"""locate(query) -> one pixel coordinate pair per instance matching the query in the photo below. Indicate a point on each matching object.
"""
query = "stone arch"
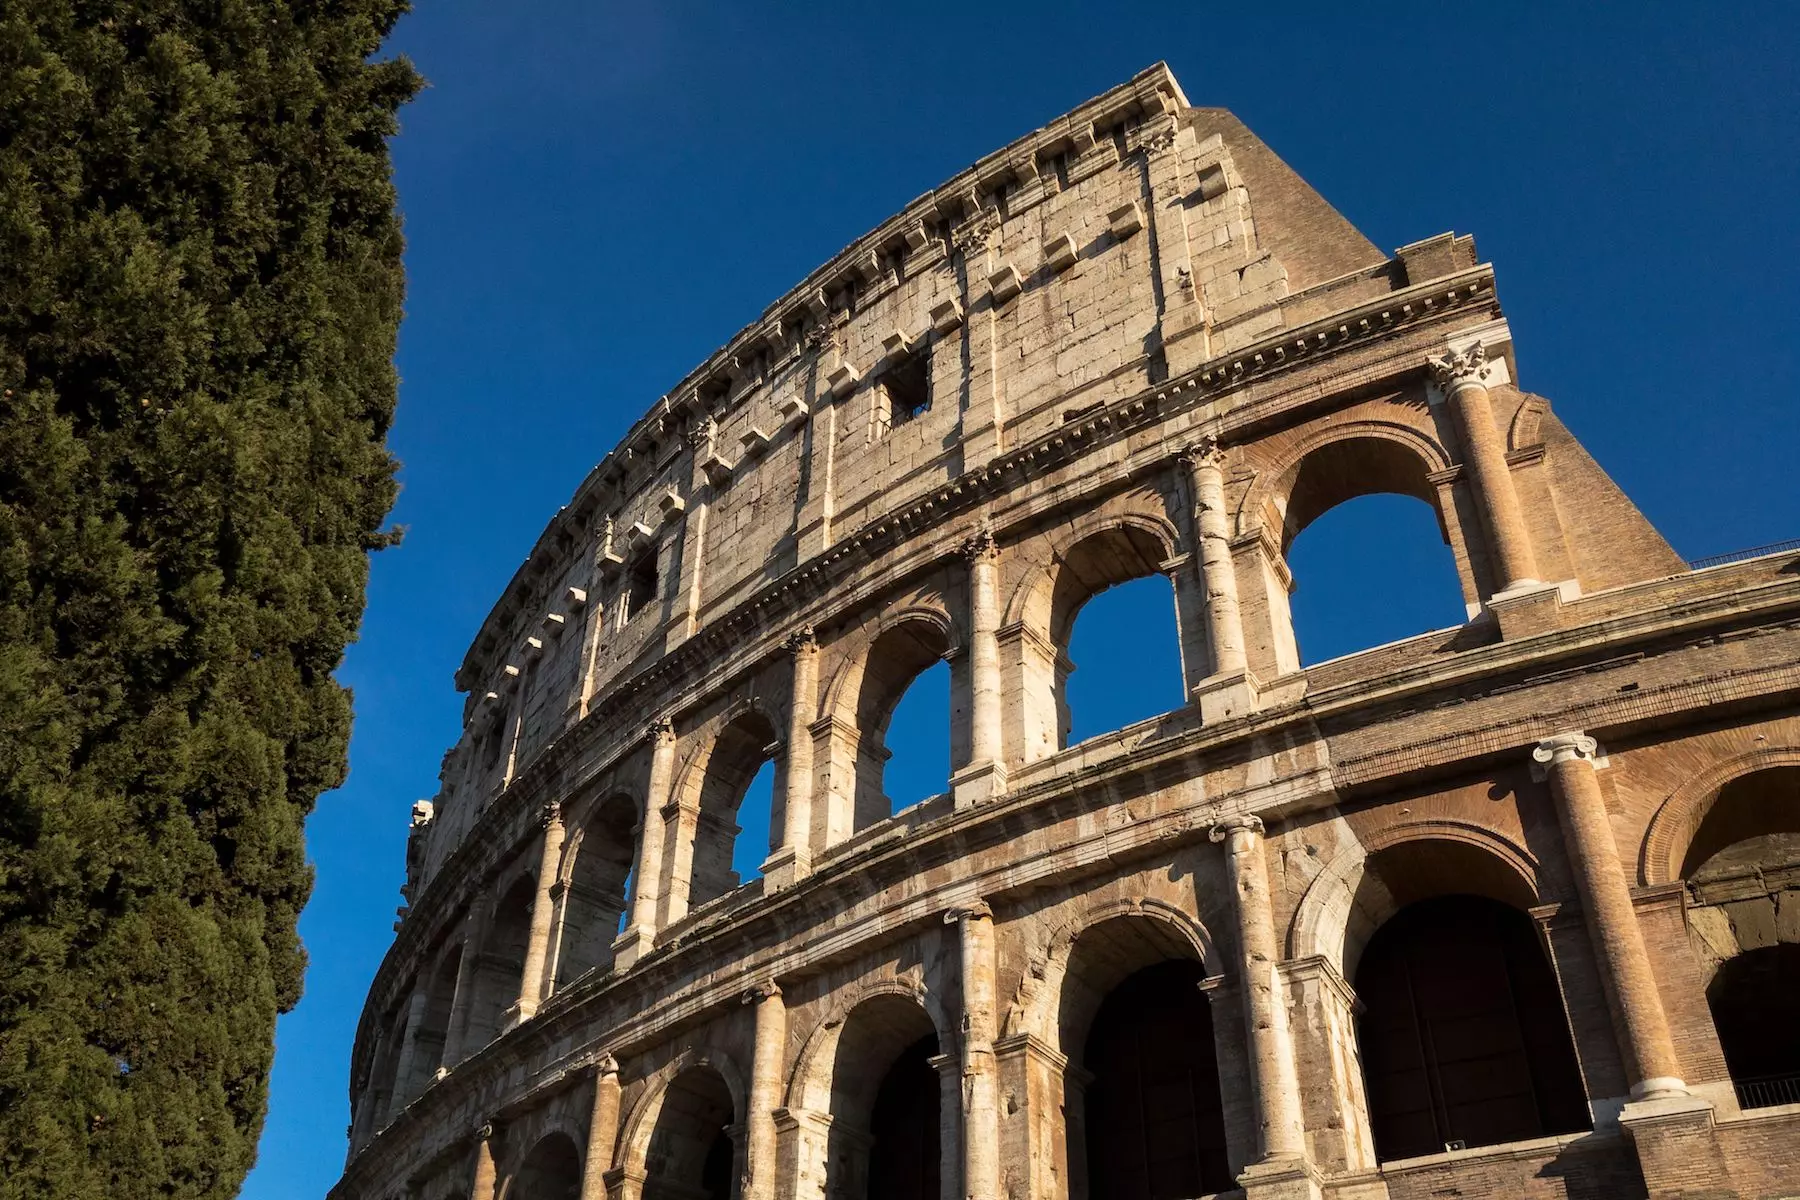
(884, 1033)
(689, 1089)
(1679, 816)
(1091, 554)
(1037, 1007)
(709, 788)
(1359, 458)
(809, 1084)
(883, 662)
(500, 965)
(591, 879)
(1346, 902)
(434, 1023)
(550, 1170)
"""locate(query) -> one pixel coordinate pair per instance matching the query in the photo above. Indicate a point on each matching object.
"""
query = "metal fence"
(1767, 1091)
(1719, 560)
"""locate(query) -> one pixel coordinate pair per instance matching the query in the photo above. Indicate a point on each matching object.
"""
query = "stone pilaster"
(793, 860)
(985, 776)
(640, 931)
(767, 1067)
(980, 1122)
(603, 1129)
(1031, 1078)
(1274, 1083)
(1463, 377)
(534, 987)
(1229, 689)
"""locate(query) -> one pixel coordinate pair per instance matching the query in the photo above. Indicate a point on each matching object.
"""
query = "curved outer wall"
(1132, 343)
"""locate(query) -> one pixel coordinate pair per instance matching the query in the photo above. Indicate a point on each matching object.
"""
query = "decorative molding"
(1459, 368)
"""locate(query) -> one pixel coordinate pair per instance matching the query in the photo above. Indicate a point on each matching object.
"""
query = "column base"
(1530, 607)
(1222, 697)
(517, 1014)
(784, 868)
(1676, 1148)
(632, 945)
(1280, 1179)
(978, 784)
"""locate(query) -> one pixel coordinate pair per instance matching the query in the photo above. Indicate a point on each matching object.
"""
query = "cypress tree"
(200, 288)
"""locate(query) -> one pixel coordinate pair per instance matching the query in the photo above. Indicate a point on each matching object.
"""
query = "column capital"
(1570, 746)
(756, 993)
(550, 814)
(1462, 368)
(1203, 452)
(974, 910)
(1248, 824)
(660, 732)
(980, 546)
(483, 1131)
(802, 641)
(605, 1065)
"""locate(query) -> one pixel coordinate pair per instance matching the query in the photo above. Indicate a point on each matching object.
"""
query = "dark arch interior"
(1463, 1034)
(738, 754)
(904, 1145)
(596, 898)
(1154, 1113)
(1755, 1002)
(899, 659)
(434, 1025)
(552, 1171)
(691, 1154)
(500, 968)
(1754, 823)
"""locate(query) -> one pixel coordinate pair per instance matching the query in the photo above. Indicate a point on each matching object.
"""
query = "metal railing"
(1767, 1091)
(1719, 560)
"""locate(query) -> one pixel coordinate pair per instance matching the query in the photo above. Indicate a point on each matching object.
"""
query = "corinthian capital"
(1204, 452)
(660, 731)
(1460, 367)
(981, 545)
(802, 641)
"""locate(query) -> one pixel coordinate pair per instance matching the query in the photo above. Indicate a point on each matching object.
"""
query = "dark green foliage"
(200, 286)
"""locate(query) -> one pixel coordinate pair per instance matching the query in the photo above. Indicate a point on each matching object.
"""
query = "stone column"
(793, 861)
(603, 1129)
(486, 1177)
(534, 988)
(1273, 1080)
(1463, 378)
(1567, 760)
(1205, 462)
(639, 937)
(767, 1063)
(980, 1120)
(409, 1049)
(985, 776)
(457, 1029)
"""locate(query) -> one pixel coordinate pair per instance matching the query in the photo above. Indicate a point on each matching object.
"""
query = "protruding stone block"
(793, 410)
(1060, 253)
(1005, 283)
(946, 315)
(843, 380)
(754, 441)
(671, 504)
(1125, 221)
(1213, 182)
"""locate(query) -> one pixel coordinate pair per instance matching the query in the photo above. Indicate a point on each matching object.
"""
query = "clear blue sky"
(598, 195)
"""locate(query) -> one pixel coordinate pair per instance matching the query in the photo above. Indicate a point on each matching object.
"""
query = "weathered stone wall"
(1148, 349)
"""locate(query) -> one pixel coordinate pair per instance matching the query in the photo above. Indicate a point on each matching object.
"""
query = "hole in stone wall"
(641, 593)
(1125, 658)
(1369, 571)
(906, 388)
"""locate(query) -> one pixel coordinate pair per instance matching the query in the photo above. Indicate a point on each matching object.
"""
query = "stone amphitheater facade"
(1502, 910)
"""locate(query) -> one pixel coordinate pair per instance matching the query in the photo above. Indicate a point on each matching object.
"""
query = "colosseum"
(1509, 909)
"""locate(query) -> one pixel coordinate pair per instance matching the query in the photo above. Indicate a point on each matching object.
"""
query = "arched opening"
(918, 766)
(596, 881)
(899, 662)
(1742, 871)
(739, 753)
(691, 1155)
(434, 1024)
(552, 1171)
(1155, 1115)
(499, 971)
(383, 1080)
(1373, 570)
(885, 1104)
(1131, 644)
(1125, 640)
(1463, 1035)
(1144, 1109)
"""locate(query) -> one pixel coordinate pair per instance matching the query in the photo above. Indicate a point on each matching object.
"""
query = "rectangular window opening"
(906, 386)
(641, 593)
